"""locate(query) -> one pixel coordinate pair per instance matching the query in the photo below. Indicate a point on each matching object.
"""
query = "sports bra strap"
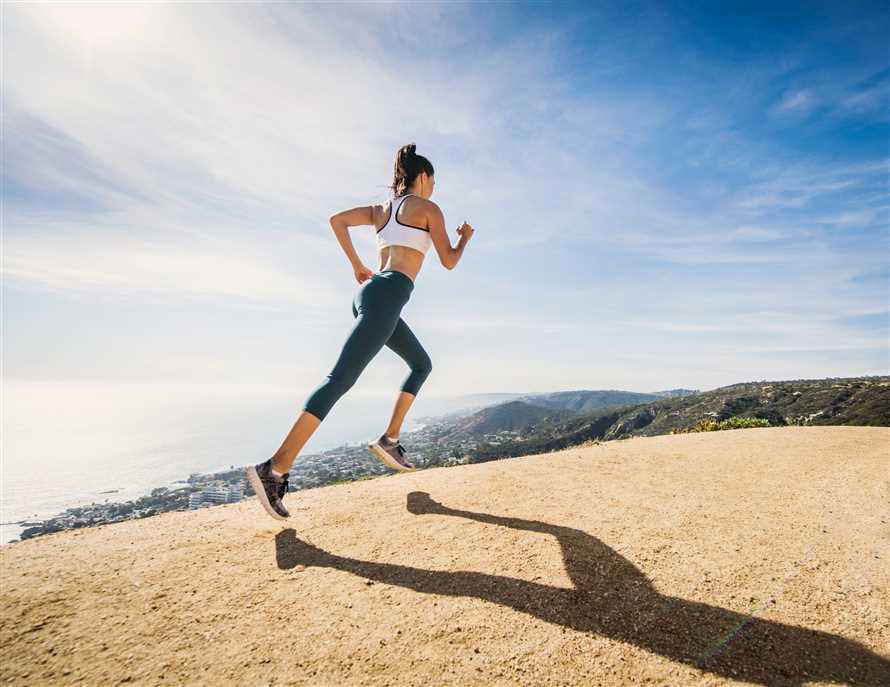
(401, 202)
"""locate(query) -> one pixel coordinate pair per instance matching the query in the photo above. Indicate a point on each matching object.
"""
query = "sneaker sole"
(257, 485)
(387, 459)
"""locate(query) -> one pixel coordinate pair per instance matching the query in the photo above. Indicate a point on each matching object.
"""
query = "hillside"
(753, 556)
(539, 409)
(511, 416)
(832, 401)
(536, 405)
(538, 413)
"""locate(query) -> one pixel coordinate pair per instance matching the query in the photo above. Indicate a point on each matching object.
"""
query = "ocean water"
(65, 443)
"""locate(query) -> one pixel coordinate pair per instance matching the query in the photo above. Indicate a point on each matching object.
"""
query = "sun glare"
(97, 26)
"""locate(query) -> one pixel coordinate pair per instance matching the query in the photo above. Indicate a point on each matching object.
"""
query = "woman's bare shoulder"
(418, 204)
(430, 207)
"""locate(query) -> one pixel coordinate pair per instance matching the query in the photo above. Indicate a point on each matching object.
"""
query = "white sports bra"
(395, 233)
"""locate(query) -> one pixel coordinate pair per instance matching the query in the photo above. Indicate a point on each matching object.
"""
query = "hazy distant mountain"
(585, 401)
(444, 409)
(513, 416)
(530, 411)
(581, 400)
(675, 392)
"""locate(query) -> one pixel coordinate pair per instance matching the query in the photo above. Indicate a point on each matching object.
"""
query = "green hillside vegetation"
(728, 423)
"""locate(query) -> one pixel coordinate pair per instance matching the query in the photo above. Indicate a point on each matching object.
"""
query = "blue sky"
(664, 195)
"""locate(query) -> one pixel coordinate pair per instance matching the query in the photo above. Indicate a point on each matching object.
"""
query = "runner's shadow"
(613, 598)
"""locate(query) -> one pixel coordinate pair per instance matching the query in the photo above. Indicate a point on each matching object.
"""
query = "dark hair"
(408, 166)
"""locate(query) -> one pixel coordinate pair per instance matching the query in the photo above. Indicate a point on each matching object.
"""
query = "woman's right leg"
(293, 443)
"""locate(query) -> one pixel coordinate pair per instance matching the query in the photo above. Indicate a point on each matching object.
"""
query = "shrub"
(728, 423)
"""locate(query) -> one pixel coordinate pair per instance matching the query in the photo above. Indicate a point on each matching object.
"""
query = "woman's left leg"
(405, 344)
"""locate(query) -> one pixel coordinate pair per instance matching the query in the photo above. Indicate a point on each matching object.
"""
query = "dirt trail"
(755, 556)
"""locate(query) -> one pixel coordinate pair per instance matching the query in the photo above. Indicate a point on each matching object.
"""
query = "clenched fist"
(465, 230)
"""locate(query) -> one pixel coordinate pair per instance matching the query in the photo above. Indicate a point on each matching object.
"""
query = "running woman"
(406, 225)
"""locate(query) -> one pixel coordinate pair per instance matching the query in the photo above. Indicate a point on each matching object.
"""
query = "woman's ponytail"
(408, 165)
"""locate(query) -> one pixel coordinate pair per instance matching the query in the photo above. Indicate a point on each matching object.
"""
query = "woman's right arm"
(449, 256)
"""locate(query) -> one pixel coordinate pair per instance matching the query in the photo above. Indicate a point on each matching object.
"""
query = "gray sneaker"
(269, 488)
(391, 454)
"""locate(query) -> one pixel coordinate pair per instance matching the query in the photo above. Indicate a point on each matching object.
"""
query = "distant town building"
(236, 493)
(196, 500)
(218, 493)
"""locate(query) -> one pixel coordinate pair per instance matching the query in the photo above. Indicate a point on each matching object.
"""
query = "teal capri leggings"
(377, 307)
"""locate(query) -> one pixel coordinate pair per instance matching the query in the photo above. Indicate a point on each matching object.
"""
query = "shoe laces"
(282, 485)
(404, 460)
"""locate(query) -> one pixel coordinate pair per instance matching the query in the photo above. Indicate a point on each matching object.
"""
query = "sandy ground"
(755, 556)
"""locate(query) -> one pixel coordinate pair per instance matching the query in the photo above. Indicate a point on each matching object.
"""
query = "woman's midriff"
(402, 259)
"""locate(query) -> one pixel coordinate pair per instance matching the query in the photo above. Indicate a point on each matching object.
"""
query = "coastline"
(203, 489)
(125, 478)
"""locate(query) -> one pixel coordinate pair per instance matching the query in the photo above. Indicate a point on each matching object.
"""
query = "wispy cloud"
(753, 233)
(796, 185)
(165, 263)
(796, 101)
(871, 96)
(832, 95)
